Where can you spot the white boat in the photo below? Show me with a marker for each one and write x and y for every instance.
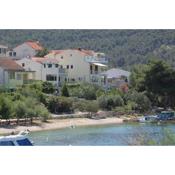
(16, 140)
(149, 118)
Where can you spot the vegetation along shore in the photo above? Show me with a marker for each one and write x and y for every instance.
(151, 86)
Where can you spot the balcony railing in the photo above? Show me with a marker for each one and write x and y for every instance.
(29, 81)
(62, 71)
(91, 59)
(94, 72)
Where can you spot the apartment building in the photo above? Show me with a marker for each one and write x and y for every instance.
(45, 69)
(81, 65)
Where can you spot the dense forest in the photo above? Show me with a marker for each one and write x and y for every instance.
(124, 48)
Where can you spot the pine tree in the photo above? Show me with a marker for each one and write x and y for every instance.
(64, 91)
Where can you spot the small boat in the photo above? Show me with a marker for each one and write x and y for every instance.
(16, 140)
(163, 116)
(149, 118)
(166, 115)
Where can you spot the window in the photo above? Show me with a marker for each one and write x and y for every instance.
(23, 64)
(49, 65)
(44, 65)
(61, 66)
(61, 57)
(70, 55)
(12, 75)
(18, 77)
(71, 66)
(24, 142)
(67, 66)
(59, 78)
(10, 54)
(3, 50)
(51, 77)
(96, 68)
(0, 51)
(90, 67)
(56, 65)
(14, 54)
(6, 143)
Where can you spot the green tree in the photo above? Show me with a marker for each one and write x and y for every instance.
(159, 83)
(137, 77)
(138, 101)
(64, 91)
(42, 53)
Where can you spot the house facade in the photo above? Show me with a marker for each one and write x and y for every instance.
(12, 74)
(115, 78)
(3, 51)
(45, 69)
(6, 52)
(27, 49)
(81, 65)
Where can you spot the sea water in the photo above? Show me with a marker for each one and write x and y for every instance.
(108, 135)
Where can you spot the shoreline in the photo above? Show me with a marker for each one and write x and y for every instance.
(60, 124)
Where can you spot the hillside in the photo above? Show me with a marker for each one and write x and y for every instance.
(124, 47)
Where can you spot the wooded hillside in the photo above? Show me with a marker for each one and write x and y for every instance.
(124, 47)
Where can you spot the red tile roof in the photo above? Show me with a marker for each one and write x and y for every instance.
(9, 64)
(86, 52)
(44, 59)
(35, 45)
(82, 51)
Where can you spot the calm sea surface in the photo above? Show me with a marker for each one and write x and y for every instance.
(106, 135)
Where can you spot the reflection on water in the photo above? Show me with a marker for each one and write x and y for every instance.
(106, 135)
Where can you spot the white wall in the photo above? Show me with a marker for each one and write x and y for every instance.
(1, 76)
(81, 68)
(30, 65)
(24, 50)
(40, 70)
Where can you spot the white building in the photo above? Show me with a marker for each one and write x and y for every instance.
(82, 65)
(3, 51)
(6, 52)
(12, 74)
(115, 78)
(45, 69)
(27, 49)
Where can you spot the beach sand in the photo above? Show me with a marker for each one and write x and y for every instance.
(60, 123)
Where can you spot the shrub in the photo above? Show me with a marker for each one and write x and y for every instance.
(38, 85)
(86, 105)
(42, 112)
(48, 87)
(5, 106)
(20, 109)
(140, 100)
(109, 102)
(92, 107)
(117, 100)
(59, 104)
(87, 91)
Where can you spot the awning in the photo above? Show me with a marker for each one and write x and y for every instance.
(99, 64)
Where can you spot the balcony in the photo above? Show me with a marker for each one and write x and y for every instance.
(62, 71)
(29, 81)
(91, 59)
(93, 72)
